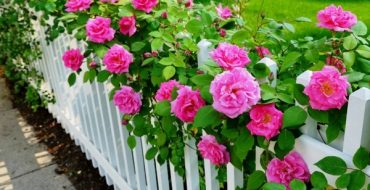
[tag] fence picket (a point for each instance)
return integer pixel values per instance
(191, 165)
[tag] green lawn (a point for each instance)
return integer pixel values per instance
(288, 10)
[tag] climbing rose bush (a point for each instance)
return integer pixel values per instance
(127, 100)
(117, 59)
(73, 59)
(187, 104)
(230, 56)
(234, 92)
(98, 30)
(327, 89)
(211, 150)
(336, 19)
(266, 120)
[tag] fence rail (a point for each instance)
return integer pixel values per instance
(95, 124)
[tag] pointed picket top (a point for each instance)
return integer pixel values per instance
(304, 78)
(272, 65)
(203, 52)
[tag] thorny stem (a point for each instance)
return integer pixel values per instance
(318, 130)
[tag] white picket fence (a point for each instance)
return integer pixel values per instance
(86, 113)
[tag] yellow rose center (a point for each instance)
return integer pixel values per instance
(327, 89)
(266, 118)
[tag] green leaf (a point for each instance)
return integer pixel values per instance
(206, 95)
(155, 34)
(267, 92)
(361, 158)
(318, 115)
(72, 79)
(103, 76)
(243, 144)
(343, 181)
(289, 27)
(261, 70)
(290, 60)
(303, 19)
(202, 80)
(332, 165)
(332, 132)
(256, 180)
(360, 29)
(349, 58)
(266, 157)
(194, 26)
(168, 72)
(299, 95)
(131, 141)
(137, 46)
(273, 186)
(161, 139)
(206, 18)
(239, 37)
(167, 61)
(163, 108)
(150, 154)
(230, 133)
(357, 181)
(364, 51)
(294, 117)
(350, 42)
(297, 184)
(156, 44)
(319, 180)
(168, 126)
(100, 50)
(163, 152)
(364, 64)
(202, 118)
(355, 76)
(286, 140)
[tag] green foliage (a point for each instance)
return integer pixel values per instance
(332, 165)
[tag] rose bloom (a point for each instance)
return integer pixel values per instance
(327, 89)
(284, 171)
(334, 18)
(127, 100)
(165, 90)
(266, 120)
(223, 12)
(336, 62)
(73, 59)
(117, 59)
(234, 92)
(144, 5)
(187, 104)
(229, 56)
(189, 4)
(109, 1)
(262, 51)
(77, 5)
(98, 30)
(127, 25)
(211, 150)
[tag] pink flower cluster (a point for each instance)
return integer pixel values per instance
(223, 12)
(73, 59)
(165, 90)
(127, 100)
(336, 62)
(117, 59)
(234, 92)
(284, 171)
(187, 104)
(266, 120)
(127, 25)
(262, 51)
(77, 5)
(98, 30)
(144, 5)
(230, 56)
(327, 89)
(336, 19)
(210, 149)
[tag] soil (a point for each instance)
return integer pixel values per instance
(70, 159)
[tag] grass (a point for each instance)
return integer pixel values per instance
(288, 10)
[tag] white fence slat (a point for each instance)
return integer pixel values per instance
(139, 165)
(234, 177)
(191, 165)
(162, 176)
(177, 183)
(150, 173)
(210, 176)
(357, 129)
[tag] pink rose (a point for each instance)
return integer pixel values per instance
(327, 89)
(109, 1)
(223, 12)
(144, 5)
(127, 25)
(336, 62)
(229, 56)
(187, 104)
(189, 4)
(73, 59)
(98, 30)
(266, 120)
(211, 150)
(234, 92)
(284, 171)
(77, 5)
(165, 90)
(262, 51)
(117, 59)
(127, 100)
(334, 18)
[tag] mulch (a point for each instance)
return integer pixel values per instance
(71, 161)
